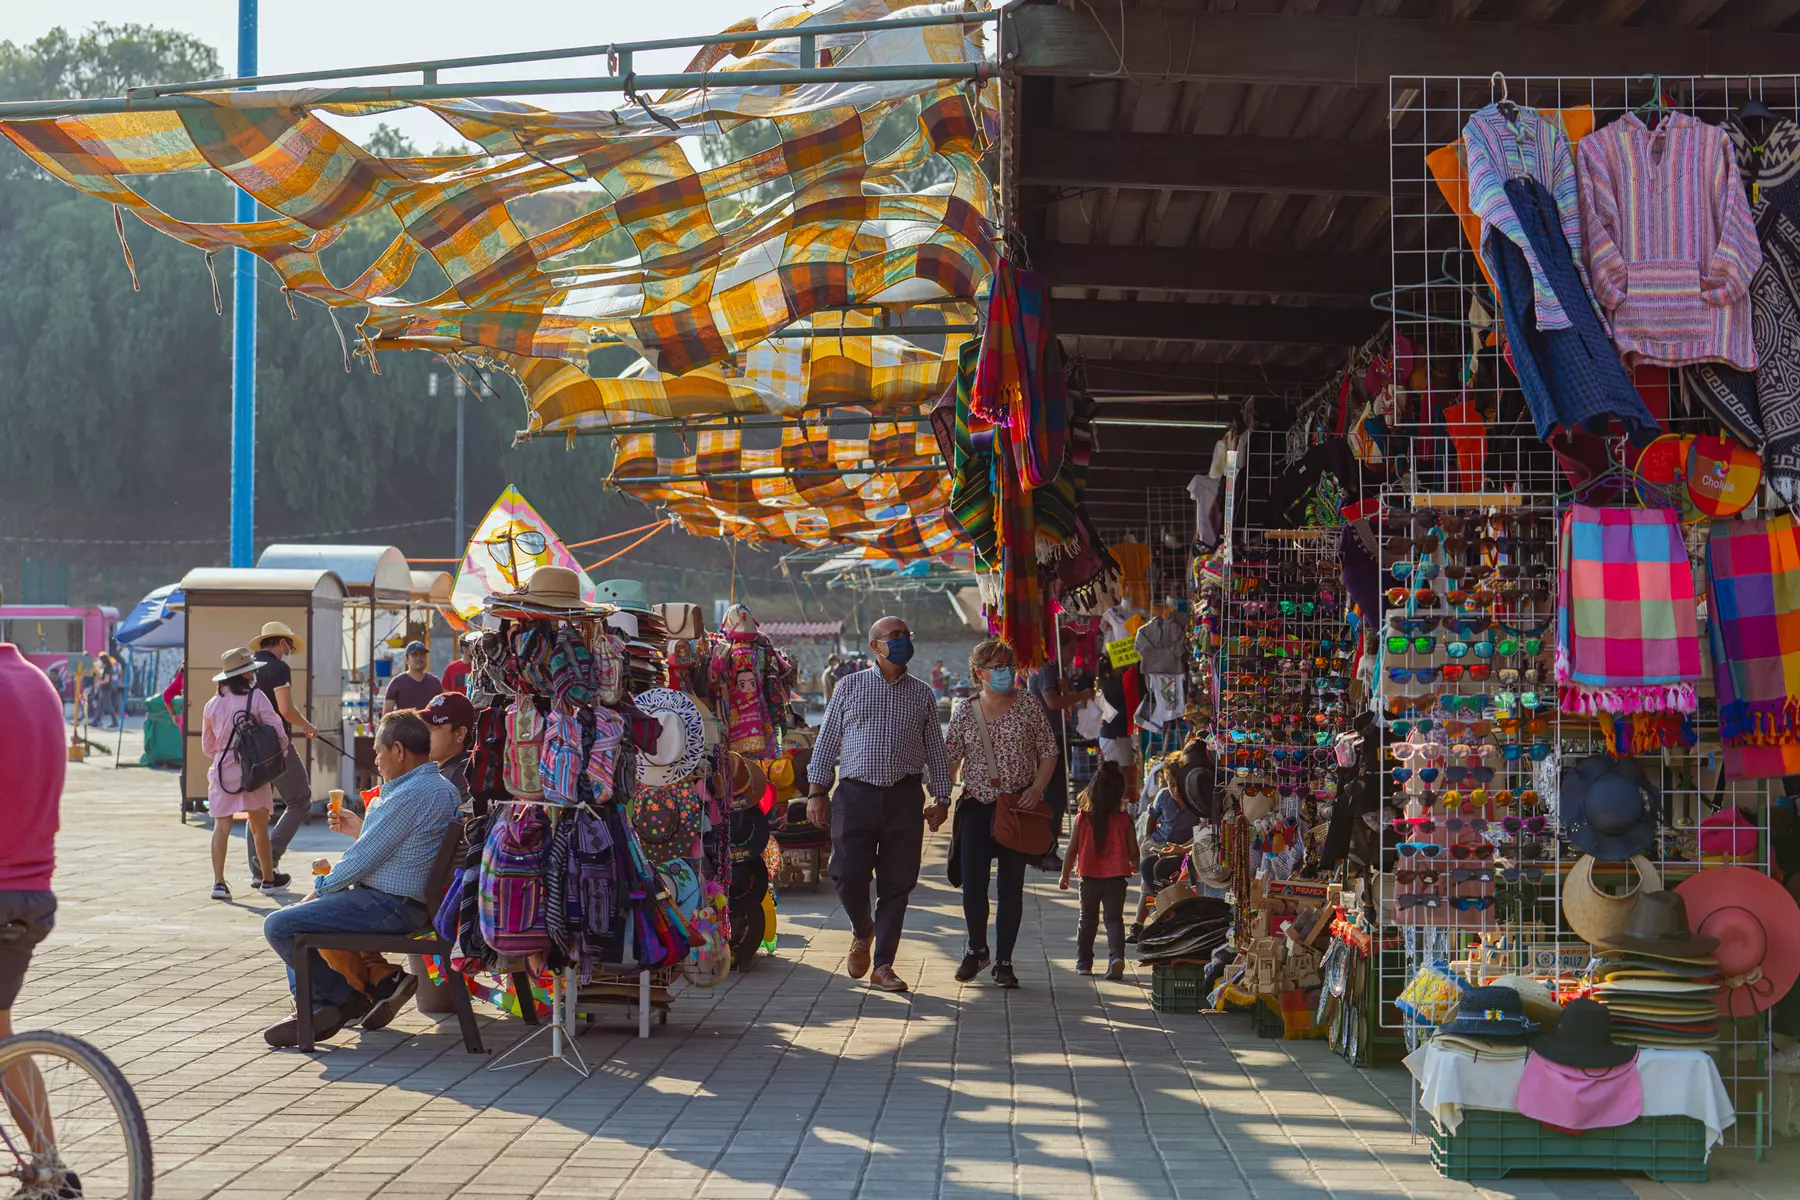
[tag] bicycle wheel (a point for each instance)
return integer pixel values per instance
(70, 1125)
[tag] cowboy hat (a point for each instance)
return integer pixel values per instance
(1210, 868)
(1608, 807)
(1658, 926)
(1598, 916)
(277, 629)
(748, 780)
(1757, 924)
(548, 589)
(236, 662)
(681, 742)
(1583, 1039)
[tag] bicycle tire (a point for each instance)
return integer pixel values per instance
(112, 1082)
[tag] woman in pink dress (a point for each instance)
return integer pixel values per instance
(237, 695)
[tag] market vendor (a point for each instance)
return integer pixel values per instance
(415, 686)
(1167, 839)
(380, 885)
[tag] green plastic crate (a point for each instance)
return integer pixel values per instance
(1175, 987)
(1489, 1144)
(1266, 1020)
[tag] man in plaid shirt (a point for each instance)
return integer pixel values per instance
(882, 741)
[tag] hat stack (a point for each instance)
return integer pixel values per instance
(644, 630)
(1490, 1022)
(1185, 926)
(1659, 979)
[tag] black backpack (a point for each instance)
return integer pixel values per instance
(260, 755)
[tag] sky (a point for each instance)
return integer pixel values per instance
(299, 35)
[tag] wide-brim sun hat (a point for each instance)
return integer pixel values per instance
(682, 742)
(1582, 1039)
(626, 593)
(1658, 926)
(1608, 808)
(548, 589)
(1490, 1012)
(1757, 922)
(1539, 1001)
(1597, 916)
(237, 661)
(277, 629)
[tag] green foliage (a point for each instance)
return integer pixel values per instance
(117, 403)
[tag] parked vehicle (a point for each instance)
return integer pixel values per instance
(48, 633)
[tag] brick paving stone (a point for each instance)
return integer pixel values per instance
(788, 1083)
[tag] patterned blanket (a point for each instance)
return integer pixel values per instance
(1753, 598)
(1627, 629)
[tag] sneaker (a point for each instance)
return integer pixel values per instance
(387, 1007)
(1115, 970)
(1003, 975)
(274, 883)
(327, 1020)
(221, 891)
(973, 963)
(1084, 966)
(1134, 933)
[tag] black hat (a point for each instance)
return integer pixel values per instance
(1490, 1013)
(1658, 925)
(1582, 1039)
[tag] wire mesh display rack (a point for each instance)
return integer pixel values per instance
(1482, 463)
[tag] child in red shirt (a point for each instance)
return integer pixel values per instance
(1105, 856)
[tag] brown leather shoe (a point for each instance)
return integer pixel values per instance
(885, 979)
(860, 949)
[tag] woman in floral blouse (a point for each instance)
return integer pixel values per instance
(1020, 735)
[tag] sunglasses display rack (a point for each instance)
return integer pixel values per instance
(1459, 439)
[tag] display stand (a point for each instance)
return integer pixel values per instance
(560, 1029)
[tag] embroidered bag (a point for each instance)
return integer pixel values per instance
(561, 761)
(666, 817)
(487, 758)
(513, 873)
(602, 766)
(592, 889)
(572, 670)
(608, 668)
(524, 750)
(532, 645)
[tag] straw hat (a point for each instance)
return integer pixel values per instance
(277, 629)
(1540, 1003)
(547, 589)
(1594, 915)
(236, 662)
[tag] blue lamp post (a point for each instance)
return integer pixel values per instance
(243, 345)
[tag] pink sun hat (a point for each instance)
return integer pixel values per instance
(1757, 923)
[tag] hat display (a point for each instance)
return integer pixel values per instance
(682, 741)
(748, 780)
(236, 662)
(1598, 916)
(277, 629)
(1608, 807)
(1490, 1012)
(1658, 926)
(1539, 1001)
(1583, 1038)
(1210, 868)
(625, 593)
(547, 590)
(1757, 924)
(449, 708)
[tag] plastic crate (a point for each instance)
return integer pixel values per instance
(1266, 1020)
(1489, 1144)
(1175, 987)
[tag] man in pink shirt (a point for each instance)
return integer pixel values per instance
(32, 747)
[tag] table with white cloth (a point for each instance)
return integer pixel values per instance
(1677, 1083)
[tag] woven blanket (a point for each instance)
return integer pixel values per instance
(1753, 598)
(1015, 529)
(1627, 629)
(1019, 382)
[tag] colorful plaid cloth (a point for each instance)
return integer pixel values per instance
(1627, 631)
(1753, 633)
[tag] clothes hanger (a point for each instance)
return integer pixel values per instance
(1387, 301)
(1654, 109)
(1505, 104)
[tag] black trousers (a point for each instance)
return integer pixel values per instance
(877, 835)
(1101, 897)
(979, 850)
(294, 789)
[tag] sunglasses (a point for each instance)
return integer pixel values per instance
(1419, 645)
(1531, 726)
(1404, 571)
(1458, 774)
(1539, 751)
(1429, 825)
(1428, 879)
(1472, 729)
(1460, 649)
(1411, 626)
(1402, 728)
(1475, 671)
(1402, 775)
(1401, 704)
(1399, 595)
(1466, 903)
(1417, 900)
(1407, 751)
(1409, 674)
(1532, 825)
(1473, 750)
(1474, 702)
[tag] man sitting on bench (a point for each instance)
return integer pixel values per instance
(380, 884)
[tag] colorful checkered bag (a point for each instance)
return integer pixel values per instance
(1627, 627)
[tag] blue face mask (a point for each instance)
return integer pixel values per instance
(1001, 679)
(900, 649)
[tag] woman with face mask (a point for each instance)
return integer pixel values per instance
(1001, 743)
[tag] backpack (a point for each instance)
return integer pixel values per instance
(607, 666)
(560, 759)
(603, 756)
(592, 889)
(514, 903)
(666, 818)
(532, 646)
(487, 757)
(572, 670)
(256, 748)
(525, 729)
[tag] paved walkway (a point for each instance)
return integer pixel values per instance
(791, 1081)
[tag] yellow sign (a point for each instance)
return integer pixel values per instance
(1122, 652)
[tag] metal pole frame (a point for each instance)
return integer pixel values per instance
(722, 424)
(620, 78)
(777, 473)
(243, 345)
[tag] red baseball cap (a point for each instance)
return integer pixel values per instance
(449, 708)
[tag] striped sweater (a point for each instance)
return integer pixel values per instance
(1670, 243)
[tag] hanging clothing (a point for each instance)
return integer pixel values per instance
(1671, 246)
(1762, 408)
(1528, 146)
(1134, 571)
(1161, 647)
(1571, 378)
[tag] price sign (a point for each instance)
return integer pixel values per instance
(1122, 652)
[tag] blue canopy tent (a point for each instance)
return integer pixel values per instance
(157, 623)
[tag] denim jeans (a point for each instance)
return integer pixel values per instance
(354, 910)
(980, 854)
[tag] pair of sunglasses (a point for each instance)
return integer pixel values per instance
(1515, 751)
(1424, 751)
(1533, 824)
(1399, 644)
(1402, 728)
(1528, 874)
(1434, 876)
(1397, 705)
(1411, 674)
(1402, 775)
(1458, 774)
(1511, 645)
(1473, 749)
(1429, 825)
(1422, 570)
(1399, 595)
(1434, 850)
(1475, 671)
(1412, 626)
(1473, 702)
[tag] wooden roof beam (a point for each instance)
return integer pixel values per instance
(1241, 272)
(1203, 162)
(1193, 378)
(1162, 45)
(1224, 323)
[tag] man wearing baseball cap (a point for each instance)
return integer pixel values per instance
(415, 686)
(451, 719)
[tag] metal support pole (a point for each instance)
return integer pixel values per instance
(243, 345)
(461, 402)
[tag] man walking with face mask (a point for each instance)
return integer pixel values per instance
(882, 741)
